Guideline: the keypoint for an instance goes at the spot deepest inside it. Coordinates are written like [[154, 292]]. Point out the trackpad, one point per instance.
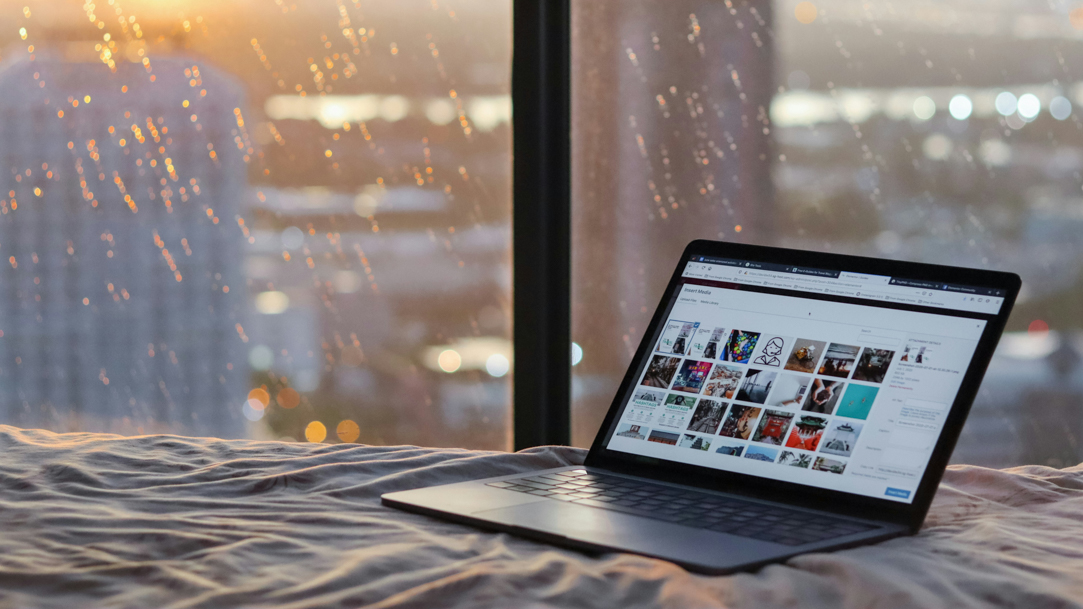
[[561, 518]]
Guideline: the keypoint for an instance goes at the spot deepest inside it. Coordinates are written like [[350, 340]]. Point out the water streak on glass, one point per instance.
[[931, 131], [257, 219]]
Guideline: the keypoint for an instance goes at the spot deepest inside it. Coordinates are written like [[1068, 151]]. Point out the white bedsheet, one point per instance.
[[92, 520]]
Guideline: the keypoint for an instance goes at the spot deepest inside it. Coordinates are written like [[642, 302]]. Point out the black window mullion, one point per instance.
[[541, 100]]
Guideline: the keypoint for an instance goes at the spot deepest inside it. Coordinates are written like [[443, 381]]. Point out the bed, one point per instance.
[[93, 520]]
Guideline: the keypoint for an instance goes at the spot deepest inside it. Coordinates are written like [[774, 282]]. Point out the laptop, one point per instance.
[[781, 402]]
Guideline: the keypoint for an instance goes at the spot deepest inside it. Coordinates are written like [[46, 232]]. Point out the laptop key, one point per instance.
[[610, 506], [560, 497], [500, 484]]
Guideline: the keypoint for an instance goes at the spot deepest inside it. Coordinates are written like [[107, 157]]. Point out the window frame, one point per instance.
[[541, 225]]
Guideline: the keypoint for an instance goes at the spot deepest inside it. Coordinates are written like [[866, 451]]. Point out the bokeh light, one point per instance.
[[577, 354], [1029, 106], [924, 107], [1038, 326], [960, 107], [1060, 107], [1006, 103], [316, 432], [260, 395], [805, 12], [497, 365], [288, 398], [250, 413], [348, 431], [449, 360], [292, 238]]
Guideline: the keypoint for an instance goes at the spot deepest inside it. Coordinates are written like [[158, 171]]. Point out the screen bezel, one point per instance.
[[910, 515]]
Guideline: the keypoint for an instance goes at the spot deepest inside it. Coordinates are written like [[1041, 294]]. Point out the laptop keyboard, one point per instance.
[[685, 507]]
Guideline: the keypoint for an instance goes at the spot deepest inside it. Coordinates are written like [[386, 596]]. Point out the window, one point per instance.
[[936, 132], [264, 220]]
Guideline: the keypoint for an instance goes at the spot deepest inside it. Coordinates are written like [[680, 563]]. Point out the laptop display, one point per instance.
[[821, 377]]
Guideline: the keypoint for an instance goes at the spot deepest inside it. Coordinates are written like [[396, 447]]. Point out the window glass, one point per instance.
[[945, 132], [257, 219]]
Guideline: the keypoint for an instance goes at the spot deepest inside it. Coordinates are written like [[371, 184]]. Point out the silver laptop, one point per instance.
[[781, 402]]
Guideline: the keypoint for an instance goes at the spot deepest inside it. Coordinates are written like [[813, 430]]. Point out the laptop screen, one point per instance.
[[819, 377]]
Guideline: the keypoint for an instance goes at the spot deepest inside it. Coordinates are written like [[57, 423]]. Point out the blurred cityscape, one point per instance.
[[275, 220], [944, 132], [258, 220]]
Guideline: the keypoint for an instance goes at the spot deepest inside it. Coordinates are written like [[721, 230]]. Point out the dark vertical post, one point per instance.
[[541, 101]]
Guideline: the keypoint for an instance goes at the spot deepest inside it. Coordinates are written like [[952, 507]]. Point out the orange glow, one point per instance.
[[316, 432], [288, 398], [348, 431], [260, 394]]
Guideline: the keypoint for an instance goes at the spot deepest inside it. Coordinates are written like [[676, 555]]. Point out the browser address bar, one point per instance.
[[827, 286]]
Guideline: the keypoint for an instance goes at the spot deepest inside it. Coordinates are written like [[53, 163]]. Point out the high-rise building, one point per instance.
[[122, 287]]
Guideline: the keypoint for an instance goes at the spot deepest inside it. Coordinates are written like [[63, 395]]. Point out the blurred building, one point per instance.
[[671, 110], [122, 287]]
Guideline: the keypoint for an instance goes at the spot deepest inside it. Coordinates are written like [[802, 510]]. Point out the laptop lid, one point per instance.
[[824, 380]]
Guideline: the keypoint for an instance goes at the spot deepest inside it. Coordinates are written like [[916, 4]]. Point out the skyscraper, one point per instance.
[[121, 288]]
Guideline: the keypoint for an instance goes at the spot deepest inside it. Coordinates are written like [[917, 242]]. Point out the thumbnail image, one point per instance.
[[692, 376], [841, 438], [707, 345], [647, 398], [723, 382], [695, 442], [788, 391], [829, 465], [738, 349], [729, 448], [839, 360], [631, 430], [663, 437], [857, 401], [770, 351], [823, 395], [683, 403], [773, 426], [807, 432], [644, 405], [873, 365], [740, 422], [788, 457], [708, 417], [916, 353], [760, 453], [805, 354], [676, 337], [661, 371], [757, 385]]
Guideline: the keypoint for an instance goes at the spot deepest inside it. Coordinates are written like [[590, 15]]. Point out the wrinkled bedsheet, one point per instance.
[[90, 520]]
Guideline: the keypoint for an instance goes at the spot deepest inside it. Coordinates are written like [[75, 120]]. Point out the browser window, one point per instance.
[[826, 378]]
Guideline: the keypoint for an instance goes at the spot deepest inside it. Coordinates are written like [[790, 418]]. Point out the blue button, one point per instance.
[[897, 492]]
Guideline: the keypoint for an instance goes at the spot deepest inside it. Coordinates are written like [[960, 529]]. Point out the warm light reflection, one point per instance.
[[260, 396], [449, 360], [288, 398], [316, 432], [805, 12], [348, 431]]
